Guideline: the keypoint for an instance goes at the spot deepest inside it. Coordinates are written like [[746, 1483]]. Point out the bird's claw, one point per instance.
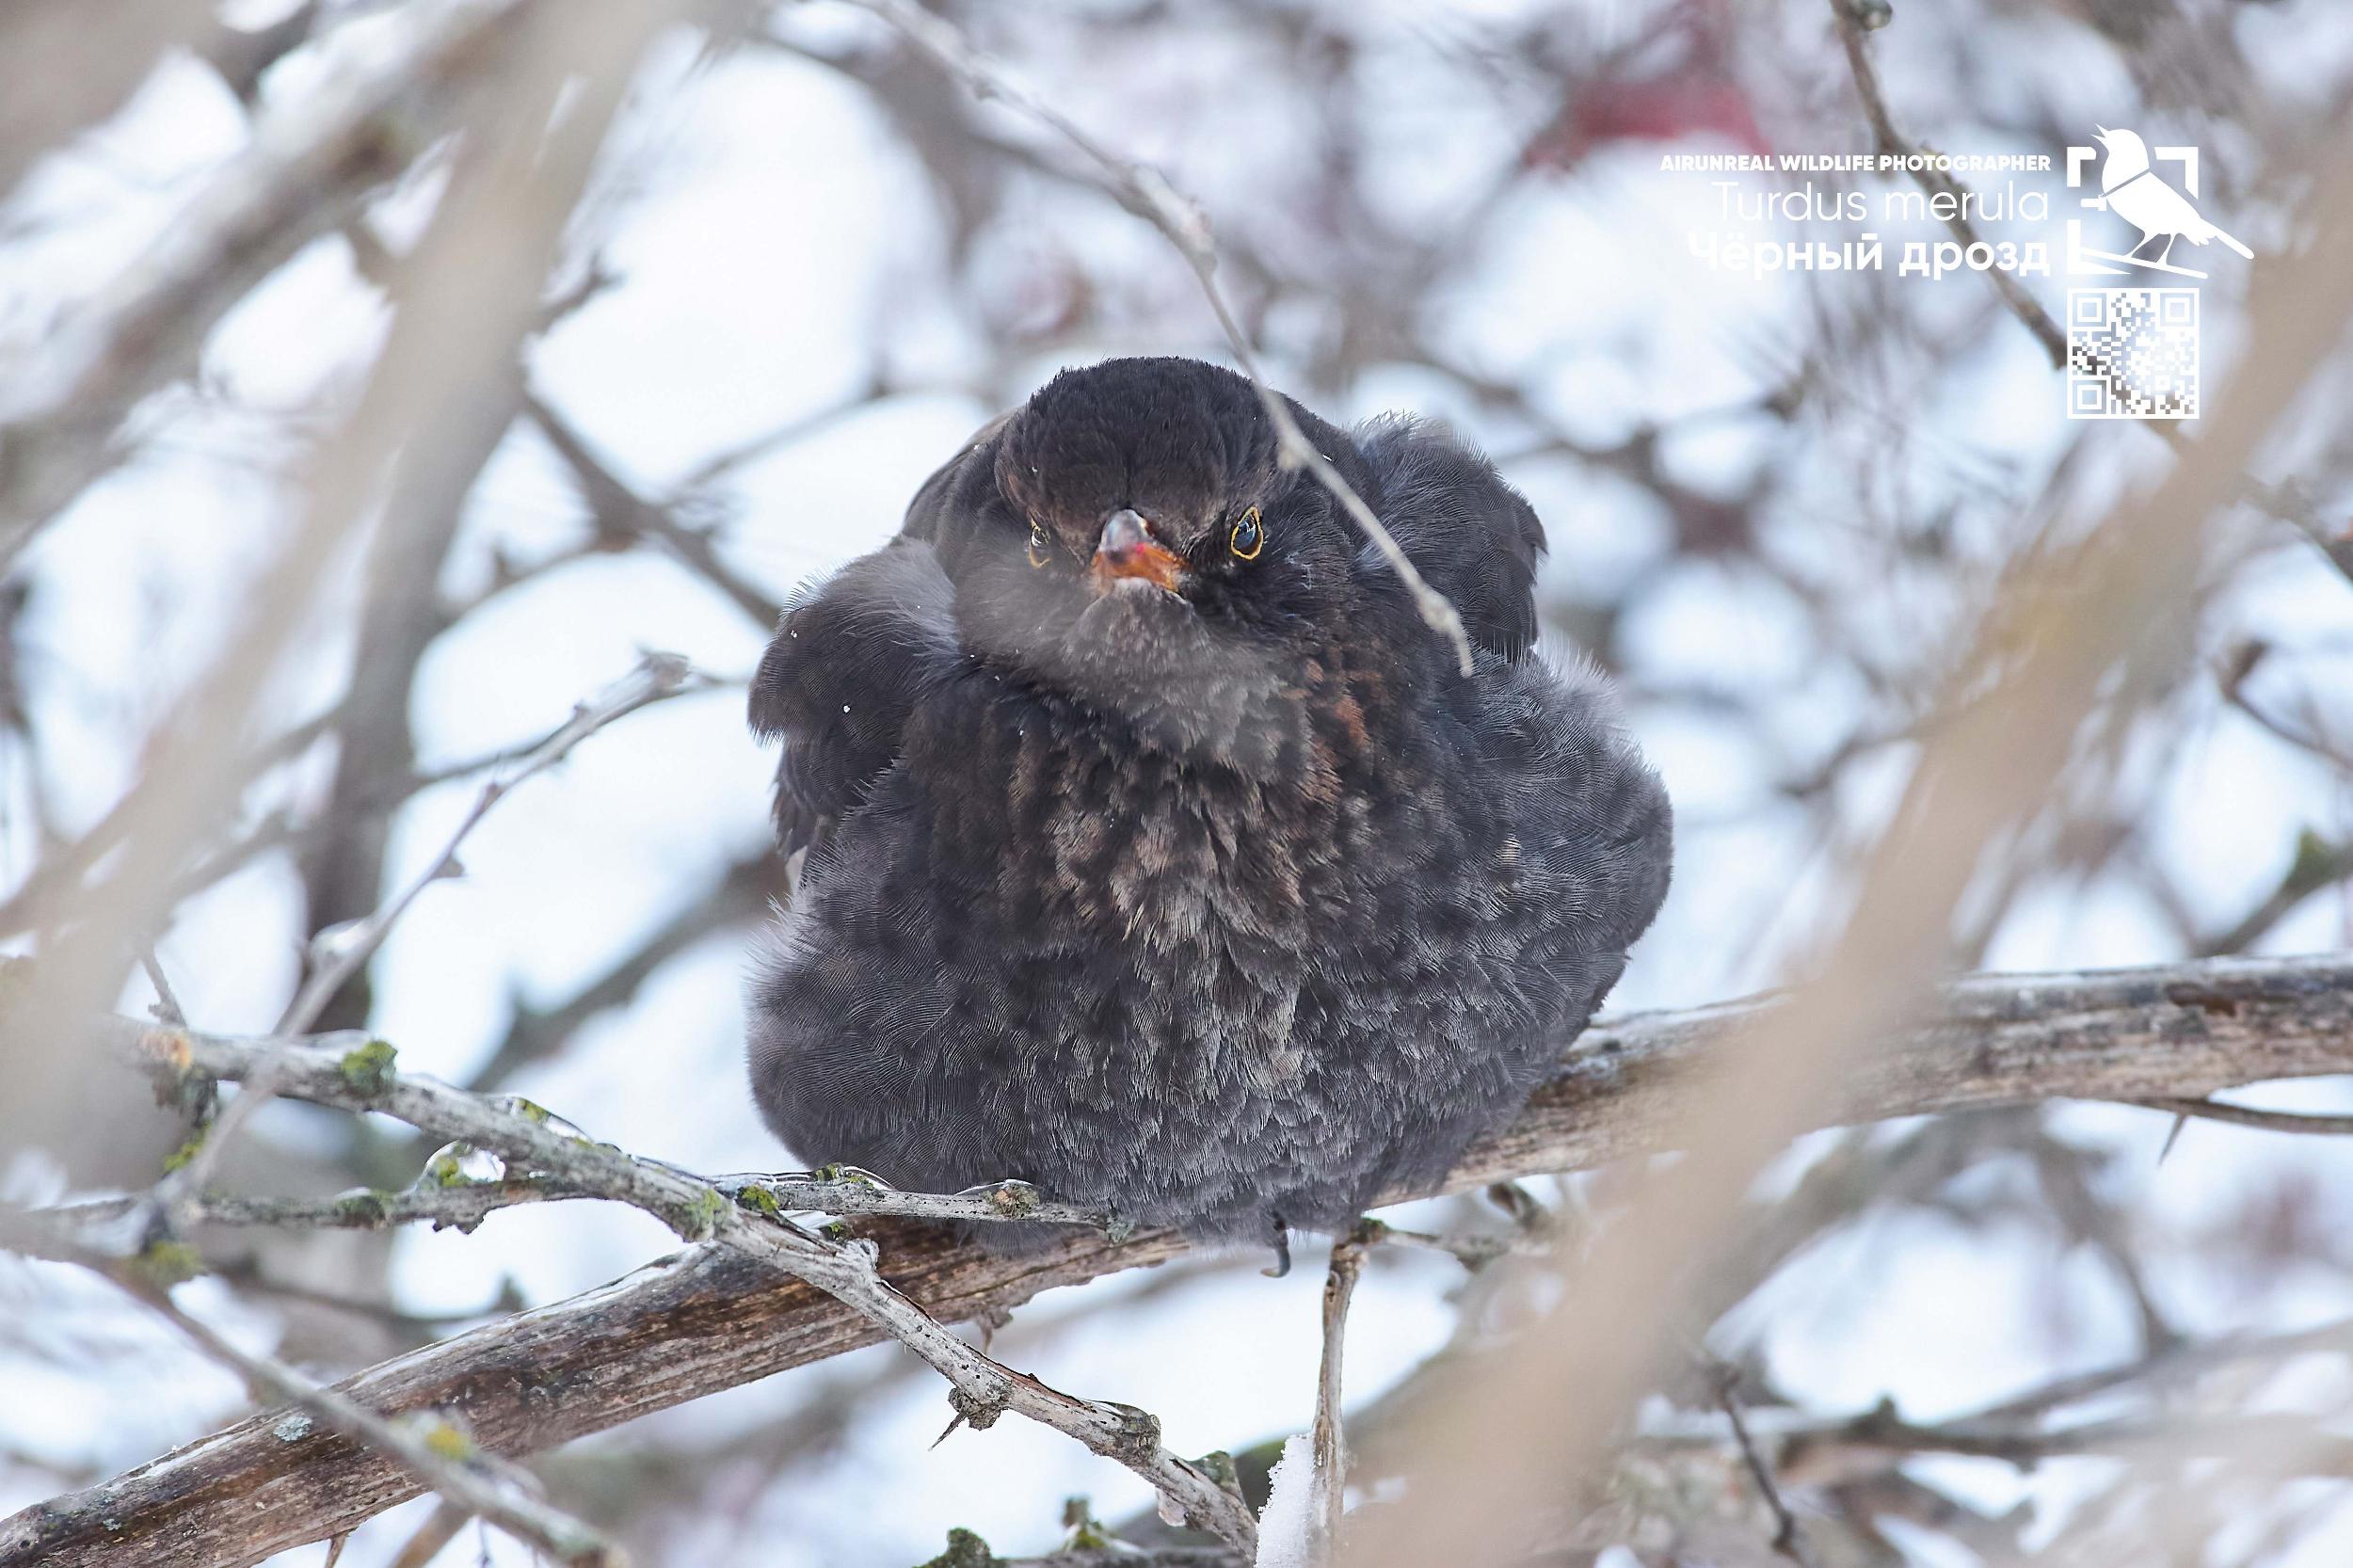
[[1282, 1239]]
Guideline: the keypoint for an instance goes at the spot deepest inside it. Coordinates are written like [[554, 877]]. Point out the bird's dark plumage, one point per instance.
[[1159, 854]]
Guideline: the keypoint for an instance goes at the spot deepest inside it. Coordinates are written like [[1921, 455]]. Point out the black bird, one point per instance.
[[1157, 853]]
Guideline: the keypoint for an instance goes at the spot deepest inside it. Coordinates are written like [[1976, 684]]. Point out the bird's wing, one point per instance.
[[1475, 537], [946, 503], [850, 657], [1595, 828]]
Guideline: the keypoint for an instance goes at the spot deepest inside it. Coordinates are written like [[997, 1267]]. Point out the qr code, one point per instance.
[[2132, 353]]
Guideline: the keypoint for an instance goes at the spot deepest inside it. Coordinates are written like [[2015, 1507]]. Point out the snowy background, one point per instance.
[[1774, 504]]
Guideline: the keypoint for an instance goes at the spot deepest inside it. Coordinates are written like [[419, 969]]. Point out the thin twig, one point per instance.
[[1145, 191], [1807, 1444], [619, 508], [657, 677], [1788, 1540], [1471, 1252], [2309, 1122], [1937, 183], [2318, 746], [1331, 1449], [166, 1005], [1118, 1554], [443, 1197]]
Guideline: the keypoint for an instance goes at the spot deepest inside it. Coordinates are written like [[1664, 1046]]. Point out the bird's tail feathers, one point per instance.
[[2234, 244]]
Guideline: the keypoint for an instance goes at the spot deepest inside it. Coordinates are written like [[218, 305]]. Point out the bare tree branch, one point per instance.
[[431, 1447], [710, 1319], [468, 296], [1992, 761], [444, 1195]]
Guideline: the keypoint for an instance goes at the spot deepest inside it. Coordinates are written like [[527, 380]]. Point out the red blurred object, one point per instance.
[[1683, 102], [1673, 84]]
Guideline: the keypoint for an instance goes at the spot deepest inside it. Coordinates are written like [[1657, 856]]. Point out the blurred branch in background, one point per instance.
[[308, 166]]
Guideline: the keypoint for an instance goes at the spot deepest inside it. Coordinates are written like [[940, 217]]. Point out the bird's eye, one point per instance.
[[1249, 537], [1037, 543]]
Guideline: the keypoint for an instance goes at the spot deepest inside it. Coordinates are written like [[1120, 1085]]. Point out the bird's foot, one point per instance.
[[1281, 1237]]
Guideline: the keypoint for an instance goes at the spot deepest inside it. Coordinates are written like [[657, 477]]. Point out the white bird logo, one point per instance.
[[2135, 193]]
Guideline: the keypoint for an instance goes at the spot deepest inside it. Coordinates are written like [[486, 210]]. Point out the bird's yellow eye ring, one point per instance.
[[1037, 544], [1249, 537]]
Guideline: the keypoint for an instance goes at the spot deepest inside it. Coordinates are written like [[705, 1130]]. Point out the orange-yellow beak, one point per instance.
[[1128, 551]]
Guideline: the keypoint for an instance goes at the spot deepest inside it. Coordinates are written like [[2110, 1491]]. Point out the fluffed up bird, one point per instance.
[[1157, 853], [2134, 191]]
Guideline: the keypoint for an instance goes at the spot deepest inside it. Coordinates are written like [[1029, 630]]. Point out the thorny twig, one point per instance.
[[445, 1196], [657, 677], [353, 1073], [1145, 191], [2310, 1123]]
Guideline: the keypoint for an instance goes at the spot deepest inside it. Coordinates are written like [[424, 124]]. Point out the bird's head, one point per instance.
[[1128, 537]]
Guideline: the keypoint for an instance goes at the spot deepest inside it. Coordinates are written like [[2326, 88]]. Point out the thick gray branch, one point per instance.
[[708, 1319]]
